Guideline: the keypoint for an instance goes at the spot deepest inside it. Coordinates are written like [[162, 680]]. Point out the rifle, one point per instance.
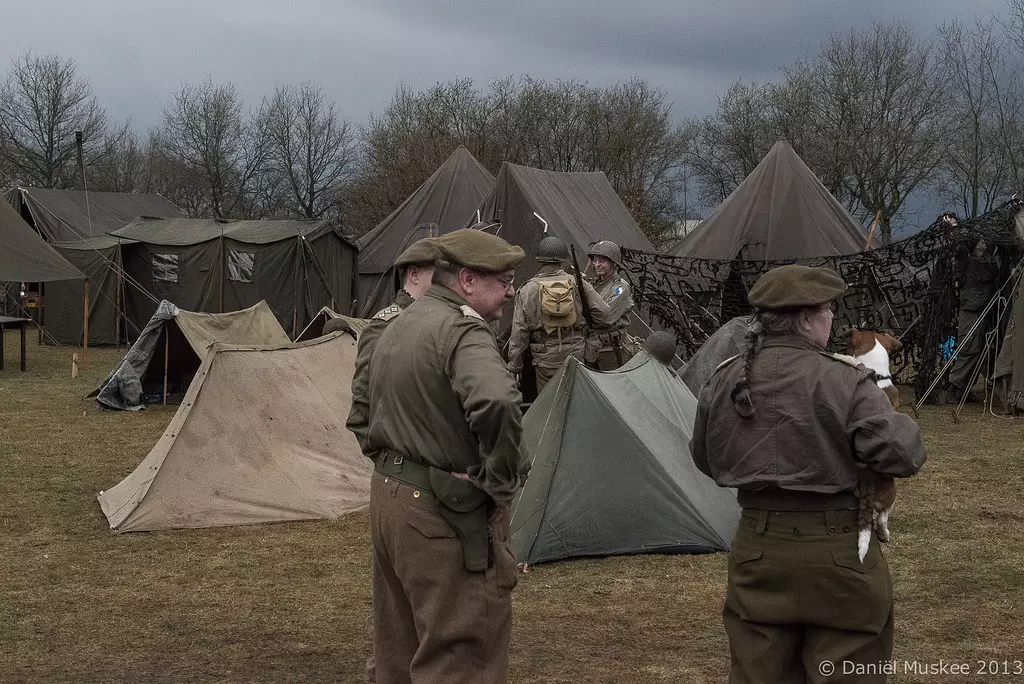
[[579, 288]]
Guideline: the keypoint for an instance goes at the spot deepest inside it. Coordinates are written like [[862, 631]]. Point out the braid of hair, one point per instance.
[[740, 394]]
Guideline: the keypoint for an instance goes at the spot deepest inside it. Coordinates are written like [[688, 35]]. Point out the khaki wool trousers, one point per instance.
[[434, 621], [801, 607]]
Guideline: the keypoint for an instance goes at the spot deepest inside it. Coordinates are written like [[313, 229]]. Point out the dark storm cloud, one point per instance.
[[136, 54]]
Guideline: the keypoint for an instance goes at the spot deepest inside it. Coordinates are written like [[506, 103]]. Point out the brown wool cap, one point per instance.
[[795, 286], [479, 250], [422, 251]]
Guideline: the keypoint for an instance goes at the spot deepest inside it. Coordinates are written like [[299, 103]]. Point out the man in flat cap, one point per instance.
[[548, 316], [607, 346], [445, 425], [416, 268], [792, 427]]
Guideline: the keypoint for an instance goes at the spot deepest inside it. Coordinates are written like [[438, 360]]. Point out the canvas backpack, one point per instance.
[[558, 304]]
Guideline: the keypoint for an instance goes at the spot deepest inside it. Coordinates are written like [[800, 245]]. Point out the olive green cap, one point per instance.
[[795, 286], [423, 251], [479, 250]]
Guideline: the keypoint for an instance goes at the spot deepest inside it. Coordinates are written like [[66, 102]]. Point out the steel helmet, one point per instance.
[[552, 250], [608, 250]]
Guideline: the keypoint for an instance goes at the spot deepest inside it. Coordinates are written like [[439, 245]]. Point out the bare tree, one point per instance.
[[43, 102], [122, 163], [207, 132], [975, 173], [888, 89], [311, 149]]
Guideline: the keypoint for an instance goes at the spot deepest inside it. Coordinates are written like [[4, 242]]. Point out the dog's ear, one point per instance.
[[896, 345]]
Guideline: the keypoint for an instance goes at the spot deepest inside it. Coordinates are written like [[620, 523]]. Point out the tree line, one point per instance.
[[878, 115]]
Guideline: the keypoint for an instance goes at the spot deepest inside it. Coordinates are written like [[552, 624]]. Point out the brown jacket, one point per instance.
[[817, 421], [359, 415], [440, 394], [528, 330]]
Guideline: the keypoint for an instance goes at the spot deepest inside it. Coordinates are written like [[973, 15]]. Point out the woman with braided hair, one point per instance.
[[791, 427]]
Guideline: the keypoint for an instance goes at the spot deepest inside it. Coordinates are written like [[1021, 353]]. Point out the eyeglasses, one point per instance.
[[507, 283]]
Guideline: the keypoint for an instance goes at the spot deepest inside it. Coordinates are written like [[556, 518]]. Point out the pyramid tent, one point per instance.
[[25, 257], [172, 346], [580, 208], [237, 453], [612, 472], [446, 200], [780, 211]]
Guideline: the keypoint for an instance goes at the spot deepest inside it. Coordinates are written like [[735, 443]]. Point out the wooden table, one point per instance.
[[8, 322]]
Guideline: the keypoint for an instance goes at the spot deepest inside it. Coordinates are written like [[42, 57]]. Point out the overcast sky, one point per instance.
[[137, 53]]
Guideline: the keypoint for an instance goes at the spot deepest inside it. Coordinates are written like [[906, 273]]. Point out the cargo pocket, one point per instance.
[[854, 595]]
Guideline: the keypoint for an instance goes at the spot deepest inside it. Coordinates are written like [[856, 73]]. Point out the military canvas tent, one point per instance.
[[1008, 376], [580, 208], [725, 343], [315, 328], [78, 229], [611, 469], [780, 211], [445, 202], [172, 346], [25, 257], [259, 438], [217, 265]]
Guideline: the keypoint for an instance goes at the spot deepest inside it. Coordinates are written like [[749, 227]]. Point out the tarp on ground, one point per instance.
[[64, 215], [25, 257], [182, 338], [215, 265], [780, 211], [447, 200], [612, 473], [725, 343], [259, 438]]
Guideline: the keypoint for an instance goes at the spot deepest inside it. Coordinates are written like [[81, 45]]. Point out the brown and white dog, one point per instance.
[[877, 493]]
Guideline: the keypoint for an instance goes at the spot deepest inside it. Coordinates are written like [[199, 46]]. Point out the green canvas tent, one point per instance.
[[25, 257], [172, 346], [444, 203], [611, 469], [217, 265], [260, 437], [780, 211]]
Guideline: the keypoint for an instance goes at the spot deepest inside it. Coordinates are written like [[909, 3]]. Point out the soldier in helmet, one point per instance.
[[606, 346], [416, 267], [548, 315]]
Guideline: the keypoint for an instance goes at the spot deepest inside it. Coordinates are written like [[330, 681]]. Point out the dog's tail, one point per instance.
[[865, 518]]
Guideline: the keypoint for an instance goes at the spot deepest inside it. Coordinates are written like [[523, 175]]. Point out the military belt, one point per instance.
[[463, 505], [776, 499]]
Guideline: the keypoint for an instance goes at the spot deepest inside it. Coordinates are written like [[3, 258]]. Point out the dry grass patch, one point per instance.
[[290, 602]]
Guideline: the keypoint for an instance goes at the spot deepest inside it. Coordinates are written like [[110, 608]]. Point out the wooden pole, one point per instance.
[[874, 226], [167, 355], [220, 307], [85, 328], [295, 319], [117, 312]]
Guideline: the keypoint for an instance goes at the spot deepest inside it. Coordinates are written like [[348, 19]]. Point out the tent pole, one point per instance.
[[167, 354], [85, 327], [221, 305], [117, 313], [295, 317]]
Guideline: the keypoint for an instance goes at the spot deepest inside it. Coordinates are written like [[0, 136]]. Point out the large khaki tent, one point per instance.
[[1008, 376], [259, 438], [444, 203], [25, 257], [217, 265], [76, 225], [580, 208], [780, 211], [168, 353], [611, 469]]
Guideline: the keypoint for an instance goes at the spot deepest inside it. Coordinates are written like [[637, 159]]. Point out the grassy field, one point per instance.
[[290, 602]]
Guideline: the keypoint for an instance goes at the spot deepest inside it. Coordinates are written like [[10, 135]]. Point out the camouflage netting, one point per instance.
[[910, 287]]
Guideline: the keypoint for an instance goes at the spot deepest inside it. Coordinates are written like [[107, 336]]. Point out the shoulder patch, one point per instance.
[[387, 313], [725, 363], [467, 310], [618, 290]]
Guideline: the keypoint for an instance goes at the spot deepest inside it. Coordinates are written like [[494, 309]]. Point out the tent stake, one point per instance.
[[85, 327]]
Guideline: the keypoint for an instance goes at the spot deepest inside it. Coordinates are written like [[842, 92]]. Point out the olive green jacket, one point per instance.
[[359, 415], [817, 421], [440, 394], [617, 293]]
